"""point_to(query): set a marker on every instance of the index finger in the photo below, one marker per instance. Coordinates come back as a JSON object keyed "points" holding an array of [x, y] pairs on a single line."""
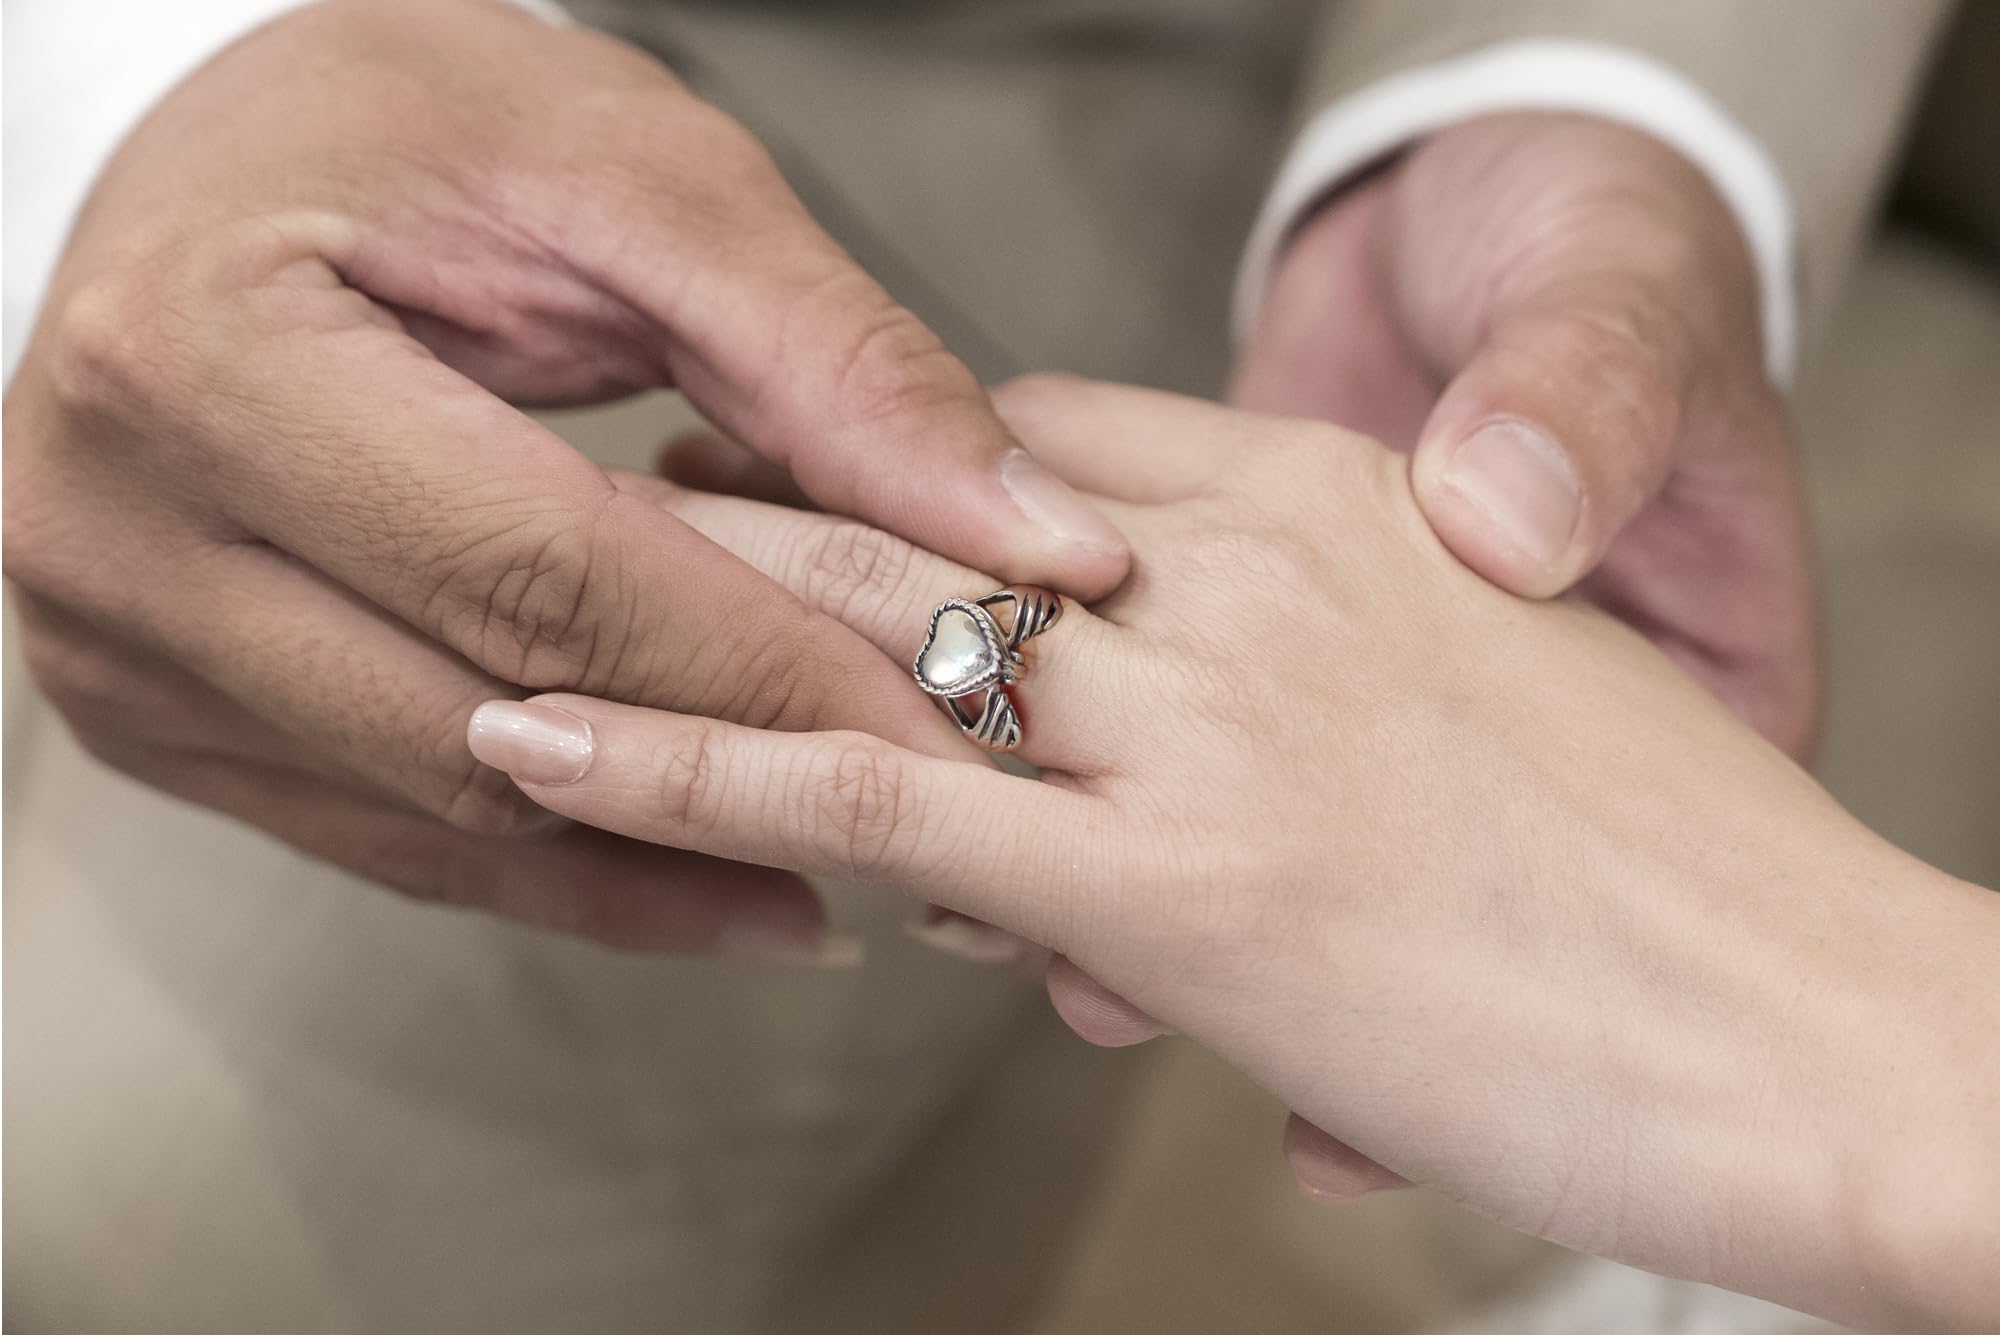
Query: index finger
{"points": [[781, 339], [349, 446], [845, 805]]}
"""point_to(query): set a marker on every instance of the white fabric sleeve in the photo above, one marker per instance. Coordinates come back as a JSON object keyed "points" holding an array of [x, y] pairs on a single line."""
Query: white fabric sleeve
{"points": [[78, 77], [1548, 75]]}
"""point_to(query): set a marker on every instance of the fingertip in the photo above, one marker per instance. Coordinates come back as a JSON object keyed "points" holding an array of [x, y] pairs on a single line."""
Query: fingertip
{"points": [[1330, 1170], [1507, 500], [964, 938], [1083, 575], [1077, 548], [1560, 428], [1095, 1013], [531, 741]]}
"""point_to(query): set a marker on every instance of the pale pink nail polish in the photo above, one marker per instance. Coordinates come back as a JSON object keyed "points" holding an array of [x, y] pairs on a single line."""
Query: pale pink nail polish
{"points": [[533, 743], [1053, 506]]}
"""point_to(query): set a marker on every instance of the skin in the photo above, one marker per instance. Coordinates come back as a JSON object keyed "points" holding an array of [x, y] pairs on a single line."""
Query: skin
{"points": [[1487, 887], [275, 522], [1582, 285], [227, 288]]}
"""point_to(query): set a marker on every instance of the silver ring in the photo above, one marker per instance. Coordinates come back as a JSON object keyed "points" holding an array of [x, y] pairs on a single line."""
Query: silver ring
{"points": [[974, 649]]}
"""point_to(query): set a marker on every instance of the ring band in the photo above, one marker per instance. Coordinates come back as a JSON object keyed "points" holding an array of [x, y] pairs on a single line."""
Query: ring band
{"points": [[974, 647]]}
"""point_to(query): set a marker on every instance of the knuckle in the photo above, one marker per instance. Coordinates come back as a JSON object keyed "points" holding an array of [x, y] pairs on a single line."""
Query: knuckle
{"points": [[1634, 352], [845, 561], [772, 675], [688, 788], [887, 374], [1300, 462], [544, 597], [1293, 470], [862, 804], [897, 369], [703, 185], [109, 347], [1265, 560], [722, 138], [1637, 331], [702, 132]]}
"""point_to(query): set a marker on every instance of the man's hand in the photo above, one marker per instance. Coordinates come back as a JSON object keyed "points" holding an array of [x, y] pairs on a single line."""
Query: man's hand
{"points": [[1558, 315], [276, 529]]}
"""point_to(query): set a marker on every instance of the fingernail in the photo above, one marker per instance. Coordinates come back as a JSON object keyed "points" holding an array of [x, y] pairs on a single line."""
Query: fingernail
{"points": [[1316, 1185], [1522, 481], [967, 939], [1049, 503], [533, 743], [809, 948]]}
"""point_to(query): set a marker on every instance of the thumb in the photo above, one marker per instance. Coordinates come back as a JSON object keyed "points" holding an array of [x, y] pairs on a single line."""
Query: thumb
{"points": [[873, 417], [1557, 432], [783, 341]]}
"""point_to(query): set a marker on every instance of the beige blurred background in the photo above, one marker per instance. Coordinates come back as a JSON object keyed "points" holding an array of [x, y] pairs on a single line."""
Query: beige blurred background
{"points": [[1035, 1186]]}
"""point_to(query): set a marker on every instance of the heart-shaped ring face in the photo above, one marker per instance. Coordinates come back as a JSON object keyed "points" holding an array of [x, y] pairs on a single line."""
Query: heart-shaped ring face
{"points": [[963, 652]]}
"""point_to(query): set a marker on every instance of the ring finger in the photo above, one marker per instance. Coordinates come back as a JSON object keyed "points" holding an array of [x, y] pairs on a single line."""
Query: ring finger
{"points": [[885, 589]]}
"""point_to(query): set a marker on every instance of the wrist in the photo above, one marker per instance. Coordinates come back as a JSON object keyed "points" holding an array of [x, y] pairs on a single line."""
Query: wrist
{"points": [[1873, 1082], [1803, 1078], [1921, 1168]]}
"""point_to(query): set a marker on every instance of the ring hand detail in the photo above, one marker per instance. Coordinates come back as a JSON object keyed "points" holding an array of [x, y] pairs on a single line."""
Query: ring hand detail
{"points": [[967, 652]]}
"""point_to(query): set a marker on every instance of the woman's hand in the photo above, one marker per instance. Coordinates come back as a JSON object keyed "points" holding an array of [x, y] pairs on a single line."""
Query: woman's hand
{"points": [[1487, 888], [275, 525]]}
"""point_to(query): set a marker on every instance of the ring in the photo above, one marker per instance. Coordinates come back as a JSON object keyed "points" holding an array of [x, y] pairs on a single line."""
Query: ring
{"points": [[970, 649]]}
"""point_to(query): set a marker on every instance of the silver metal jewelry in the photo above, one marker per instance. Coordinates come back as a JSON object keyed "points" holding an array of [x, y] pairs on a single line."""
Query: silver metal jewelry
{"points": [[974, 649]]}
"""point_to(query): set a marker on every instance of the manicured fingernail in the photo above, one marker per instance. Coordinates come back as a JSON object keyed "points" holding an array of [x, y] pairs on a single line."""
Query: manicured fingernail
{"points": [[1319, 1184], [967, 939], [1049, 503], [1523, 483], [768, 943], [533, 743]]}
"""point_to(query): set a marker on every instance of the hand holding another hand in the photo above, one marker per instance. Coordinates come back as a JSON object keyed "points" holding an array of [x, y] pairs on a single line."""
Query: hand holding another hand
{"points": [[1487, 888], [1558, 316], [275, 525]]}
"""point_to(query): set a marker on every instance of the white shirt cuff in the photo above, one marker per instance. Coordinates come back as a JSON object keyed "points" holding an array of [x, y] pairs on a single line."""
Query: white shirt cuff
{"points": [[1546, 75]]}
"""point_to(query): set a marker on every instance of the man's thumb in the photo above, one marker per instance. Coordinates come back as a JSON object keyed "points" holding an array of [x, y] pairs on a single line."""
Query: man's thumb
{"points": [[1557, 432]]}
